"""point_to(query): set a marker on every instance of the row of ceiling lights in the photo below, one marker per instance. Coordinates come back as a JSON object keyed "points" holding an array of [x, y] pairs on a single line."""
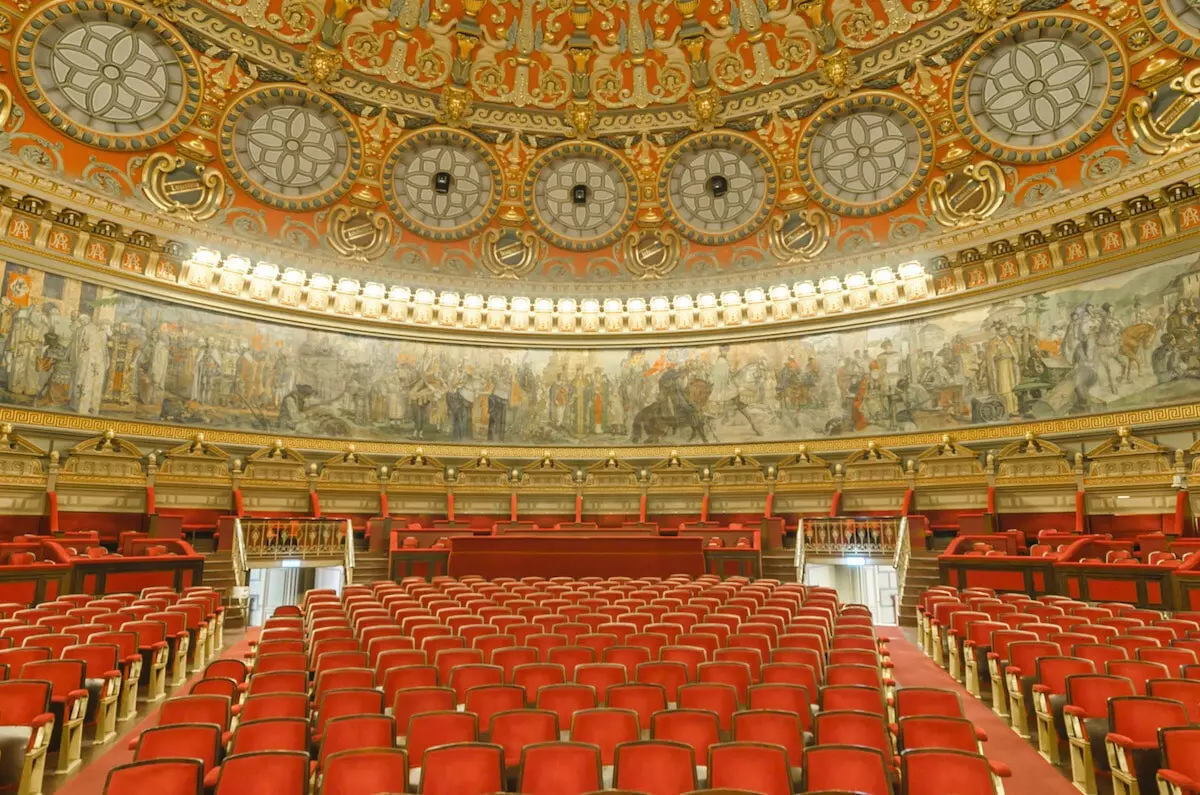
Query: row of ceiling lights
{"points": [[235, 275]]}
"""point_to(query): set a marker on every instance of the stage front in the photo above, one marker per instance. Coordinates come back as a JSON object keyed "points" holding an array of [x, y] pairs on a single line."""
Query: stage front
{"points": [[582, 556]]}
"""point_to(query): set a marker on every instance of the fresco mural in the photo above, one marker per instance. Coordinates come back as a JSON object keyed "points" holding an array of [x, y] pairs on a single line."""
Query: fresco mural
{"points": [[1127, 341]]}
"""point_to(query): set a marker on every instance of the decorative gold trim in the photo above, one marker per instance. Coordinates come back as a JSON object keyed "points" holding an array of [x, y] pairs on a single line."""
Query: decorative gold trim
{"points": [[1185, 415]]}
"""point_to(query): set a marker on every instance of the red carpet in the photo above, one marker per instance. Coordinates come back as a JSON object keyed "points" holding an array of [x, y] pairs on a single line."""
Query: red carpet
{"points": [[89, 779], [1031, 773]]}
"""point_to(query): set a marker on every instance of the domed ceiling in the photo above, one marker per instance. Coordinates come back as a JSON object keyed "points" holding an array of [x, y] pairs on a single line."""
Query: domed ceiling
{"points": [[574, 142]]}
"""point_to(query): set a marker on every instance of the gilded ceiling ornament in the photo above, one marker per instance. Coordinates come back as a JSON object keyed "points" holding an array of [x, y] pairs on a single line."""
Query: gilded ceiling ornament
{"points": [[454, 105], [108, 75], [1039, 88], [651, 253], [800, 236], [290, 147], [321, 63], [1176, 23], [967, 195], [706, 108], [357, 233], [6, 106], [866, 154], [580, 196], [1167, 119], [839, 74], [442, 184], [581, 115], [168, 8], [178, 187], [510, 253], [986, 13], [719, 187]]}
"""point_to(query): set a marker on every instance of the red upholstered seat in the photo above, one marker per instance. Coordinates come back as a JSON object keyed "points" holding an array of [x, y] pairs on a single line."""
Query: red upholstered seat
{"points": [[605, 728], [560, 767], [342, 679], [352, 701], [775, 727], [1180, 749], [654, 766], [854, 697], [355, 732], [365, 772], [412, 701], [200, 741], [570, 658], [565, 700], [430, 729], [514, 730], [716, 697], [1134, 724], [533, 676], [272, 734], [1185, 691], [1138, 672], [845, 768], [245, 774], [936, 772], [163, 777], [643, 698], [784, 697], [488, 700], [847, 727], [462, 769], [463, 677], [267, 706], [759, 767]]}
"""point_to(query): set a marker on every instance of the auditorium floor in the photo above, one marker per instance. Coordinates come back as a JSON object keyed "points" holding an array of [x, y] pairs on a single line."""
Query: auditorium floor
{"points": [[1030, 772], [89, 778]]}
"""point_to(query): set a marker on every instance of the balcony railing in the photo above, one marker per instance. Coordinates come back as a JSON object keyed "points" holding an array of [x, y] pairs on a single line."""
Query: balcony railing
{"points": [[277, 539], [849, 537]]}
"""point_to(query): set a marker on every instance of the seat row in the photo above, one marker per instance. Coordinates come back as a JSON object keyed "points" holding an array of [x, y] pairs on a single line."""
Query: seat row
{"points": [[1116, 687], [70, 669], [561, 715]]}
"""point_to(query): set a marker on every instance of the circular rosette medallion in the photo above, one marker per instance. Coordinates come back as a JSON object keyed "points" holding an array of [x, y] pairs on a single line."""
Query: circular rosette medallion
{"points": [[719, 187], [442, 184], [290, 147], [1038, 89], [107, 74], [1175, 22], [580, 196], [866, 155]]}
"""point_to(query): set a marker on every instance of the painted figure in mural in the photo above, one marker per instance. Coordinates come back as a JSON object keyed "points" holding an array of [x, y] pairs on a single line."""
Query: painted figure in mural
{"points": [[28, 337], [90, 356], [55, 364], [1102, 346]]}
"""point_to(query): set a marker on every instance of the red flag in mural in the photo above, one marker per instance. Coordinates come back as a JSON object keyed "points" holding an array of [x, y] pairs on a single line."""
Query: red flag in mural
{"points": [[19, 289]]}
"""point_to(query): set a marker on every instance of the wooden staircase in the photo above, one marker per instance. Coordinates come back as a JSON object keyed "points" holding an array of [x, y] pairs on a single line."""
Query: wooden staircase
{"points": [[922, 573], [370, 566], [218, 574], [780, 565]]}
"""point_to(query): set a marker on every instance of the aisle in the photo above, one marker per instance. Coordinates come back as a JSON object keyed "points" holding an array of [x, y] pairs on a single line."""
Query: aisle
{"points": [[89, 779], [1031, 773]]}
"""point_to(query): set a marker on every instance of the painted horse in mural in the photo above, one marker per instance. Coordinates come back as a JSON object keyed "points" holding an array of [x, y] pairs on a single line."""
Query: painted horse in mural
{"points": [[1136, 340], [677, 406]]}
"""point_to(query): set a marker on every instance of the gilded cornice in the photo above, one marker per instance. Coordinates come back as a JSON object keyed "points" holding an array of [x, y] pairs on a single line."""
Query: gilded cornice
{"points": [[1184, 416], [897, 53]]}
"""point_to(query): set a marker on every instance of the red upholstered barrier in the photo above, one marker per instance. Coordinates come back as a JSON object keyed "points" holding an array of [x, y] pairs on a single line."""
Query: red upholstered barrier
{"points": [[1130, 525], [586, 556], [108, 525], [13, 526]]}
